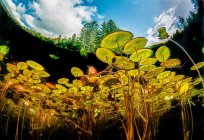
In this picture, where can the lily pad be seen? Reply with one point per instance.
(141, 55)
(76, 72)
(135, 45)
(22, 65)
(171, 63)
(124, 63)
(163, 53)
(198, 65)
(34, 65)
(162, 33)
(62, 81)
(1, 56)
(116, 39)
(105, 55)
(154, 72)
(148, 61)
(4, 50)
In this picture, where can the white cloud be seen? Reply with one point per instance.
(53, 17)
(166, 19)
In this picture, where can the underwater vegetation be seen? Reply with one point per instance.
(135, 89)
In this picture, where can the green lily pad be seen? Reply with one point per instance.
(116, 39)
(163, 33)
(22, 65)
(135, 45)
(34, 65)
(4, 49)
(105, 55)
(76, 72)
(62, 81)
(141, 55)
(124, 63)
(162, 53)
(54, 56)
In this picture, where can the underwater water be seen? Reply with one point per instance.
(91, 76)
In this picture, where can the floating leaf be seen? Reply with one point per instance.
(4, 50)
(62, 81)
(76, 72)
(147, 67)
(88, 103)
(53, 56)
(11, 67)
(184, 88)
(124, 63)
(148, 61)
(27, 73)
(40, 73)
(61, 88)
(141, 55)
(1, 56)
(162, 33)
(77, 83)
(198, 65)
(50, 85)
(154, 72)
(116, 39)
(22, 65)
(34, 65)
(162, 54)
(197, 81)
(135, 45)
(105, 55)
(163, 75)
(171, 63)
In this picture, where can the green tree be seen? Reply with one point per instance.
(88, 37)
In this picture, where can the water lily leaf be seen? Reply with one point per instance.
(11, 67)
(184, 88)
(105, 55)
(33, 81)
(178, 77)
(61, 88)
(116, 39)
(163, 75)
(54, 56)
(148, 61)
(76, 72)
(171, 63)
(40, 73)
(147, 67)
(163, 53)
(141, 55)
(135, 45)
(162, 33)
(22, 65)
(1, 56)
(4, 50)
(198, 65)
(77, 83)
(154, 72)
(62, 81)
(34, 65)
(27, 73)
(124, 63)
(50, 85)
(197, 81)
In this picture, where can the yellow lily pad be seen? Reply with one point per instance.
(124, 63)
(105, 55)
(116, 39)
(163, 53)
(171, 63)
(141, 55)
(62, 81)
(76, 72)
(34, 65)
(135, 45)
(198, 65)
(22, 65)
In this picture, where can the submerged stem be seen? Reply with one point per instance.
(199, 74)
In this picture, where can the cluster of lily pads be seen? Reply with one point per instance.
(133, 73)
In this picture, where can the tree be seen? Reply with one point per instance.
(88, 37)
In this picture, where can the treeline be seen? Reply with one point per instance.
(89, 38)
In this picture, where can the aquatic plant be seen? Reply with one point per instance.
(137, 88)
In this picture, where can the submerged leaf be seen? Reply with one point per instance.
(135, 45)
(34, 65)
(198, 65)
(116, 39)
(171, 63)
(105, 55)
(141, 55)
(163, 53)
(124, 63)
(76, 72)
(4, 50)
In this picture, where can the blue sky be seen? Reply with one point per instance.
(64, 17)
